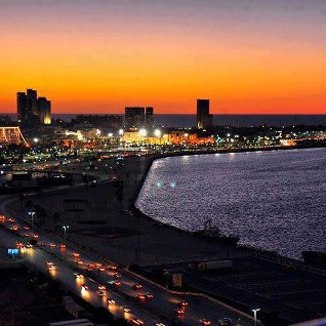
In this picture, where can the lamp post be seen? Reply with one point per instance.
(255, 315)
(32, 213)
(65, 228)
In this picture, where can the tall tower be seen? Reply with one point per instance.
(33, 111)
(134, 117)
(31, 96)
(21, 107)
(204, 119)
(44, 109)
(149, 115)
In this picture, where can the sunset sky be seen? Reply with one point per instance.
(98, 56)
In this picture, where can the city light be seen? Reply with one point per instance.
(143, 132)
(65, 228)
(255, 314)
(157, 133)
(121, 132)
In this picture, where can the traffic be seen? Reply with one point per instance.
(104, 283)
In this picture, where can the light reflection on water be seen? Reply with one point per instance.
(273, 200)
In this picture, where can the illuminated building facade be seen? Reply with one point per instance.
(12, 135)
(44, 109)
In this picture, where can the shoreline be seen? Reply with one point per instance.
(139, 213)
(211, 152)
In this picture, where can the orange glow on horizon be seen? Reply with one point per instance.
(94, 65)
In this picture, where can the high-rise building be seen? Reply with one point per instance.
(149, 115)
(33, 111)
(21, 107)
(44, 109)
(204, 119)
(31, 97)
(134, 117)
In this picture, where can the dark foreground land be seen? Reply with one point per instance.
(100, 219)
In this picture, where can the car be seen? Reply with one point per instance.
(141, 297)
(28, 246)
(183, 303)
(101, 287)
(26, 227)
(117, 275)
(115, 283)
(111, 301)
(180, 312)
(149, 296)
(85, 288)
(26, 235)
(90, 267)
(50, 265)
(19, 245)
(102, 269)
(75, 255)
(135, 321)
(112, 267)
(159, 324)
(126, 310)
(11, 220)
(52, 245)
(224, 322)
(101, 293)
(35, 236)
(79, 276)
(62, 246)
(205, 322)
(80, 262)
(137, 286)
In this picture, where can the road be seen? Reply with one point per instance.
(161, 309)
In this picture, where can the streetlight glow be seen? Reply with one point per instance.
(65, 228)
(143, 132)
(157, 133)
(255, 315)
(32, 213)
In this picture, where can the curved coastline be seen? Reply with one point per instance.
(137, 211)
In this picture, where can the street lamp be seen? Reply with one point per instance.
(65, 228)
(255, 315)
(32, 213)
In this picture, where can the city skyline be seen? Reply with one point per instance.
(99, 56)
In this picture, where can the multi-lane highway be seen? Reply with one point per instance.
(102, 283)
